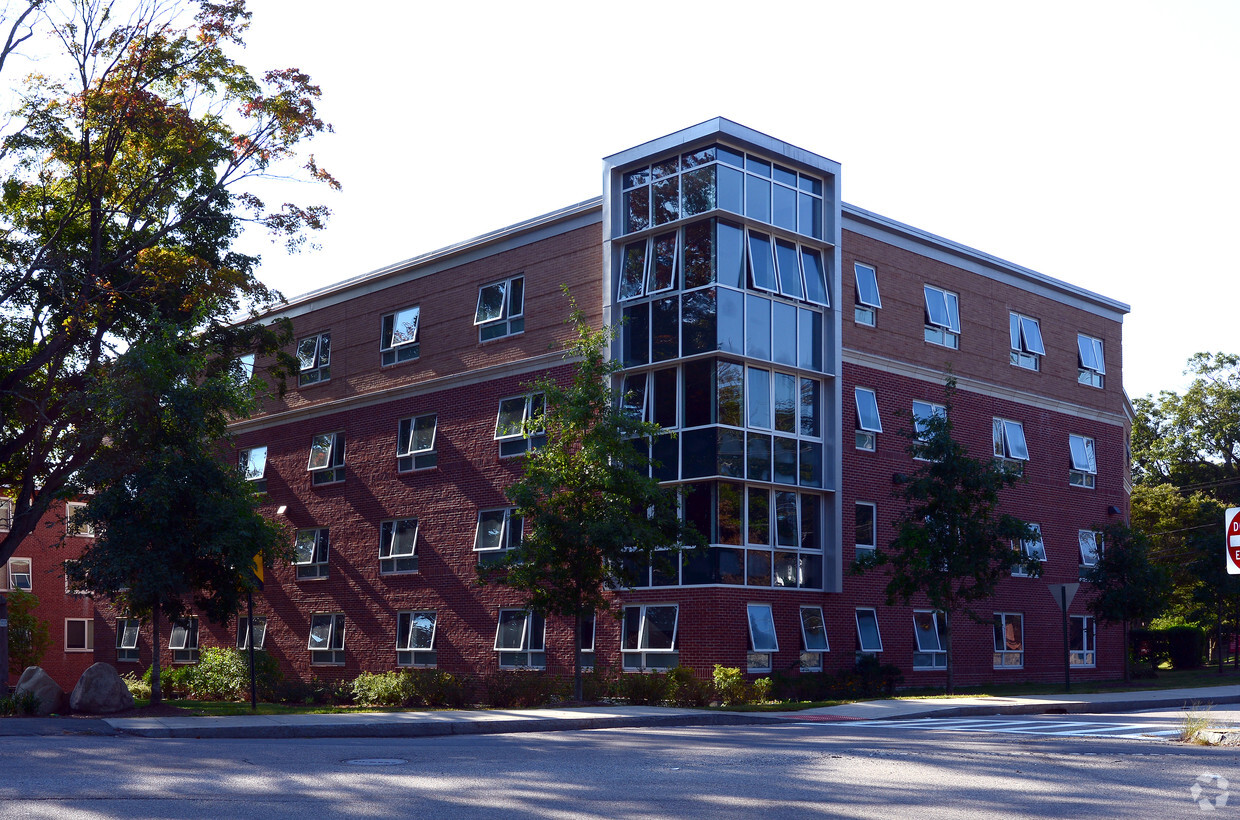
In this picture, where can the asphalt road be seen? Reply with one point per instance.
(784, 771)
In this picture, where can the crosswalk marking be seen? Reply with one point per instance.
(1057, 728)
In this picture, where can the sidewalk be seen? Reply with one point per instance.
(432, 724)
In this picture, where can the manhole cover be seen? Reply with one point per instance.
(376, 761)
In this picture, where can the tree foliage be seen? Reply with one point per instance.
(176, 526)
(1127, 586)
(29, 638)
(586, 496)
(952, 545)
(125, 182)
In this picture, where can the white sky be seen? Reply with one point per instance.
(1090, 140)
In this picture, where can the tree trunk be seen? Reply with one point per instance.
(577, 690)
(947, 645)
(156, 695)
(1127, 649)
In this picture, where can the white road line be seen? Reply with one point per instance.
(1058, 728)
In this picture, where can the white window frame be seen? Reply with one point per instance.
(919, 419)
(397, 558)
(869, 422)
(871, 615)
(128, 631)
(942, 325)
(1026, 341)
(72, 510)
(642, 657)
(1004, 656)
(510, 320)
(929, 643)
(88, 635)
(763, 640)
(183, 640)
(868, 549)
(314, 358)
(17, 577)
(1035, 548)
(410, 650)
(253, 464)
(813, 646)
(512, 436)
(410, 455)
(511, 532)
(6, 513)
(1084, 469)
(311, 553)
(1090, 553)
(331, 626)
(1091, 361)
(864, 311)
(589, 622)
(1085, 655)
(1010, 444)
(244, 632)
(531, 650)
(394, 346)
(327, 454)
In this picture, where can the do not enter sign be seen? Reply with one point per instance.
(1232, 521)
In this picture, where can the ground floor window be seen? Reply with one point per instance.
(127, 640)
(184, 641)
(415, 639)
(79, 635)
(763, 643)
(868, 638)
(813, 638)
(1009, 640)
(1082, 651)
(648, 639)
(929, 629)
(245, 633)
(327, 639)
(587, 641)
(521, 640)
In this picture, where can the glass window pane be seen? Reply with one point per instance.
(510, 633)
(630, 630)
(815, 276)
(762, 628)
(867, 631)
(785, 458)
(636, 335)
(636, 209)
(865, 525)
(811, 464)
(811, 522)
(422, 631)
(1032, 335)
(730, 391)
(511, 415)
(759, 516)
(758, 456)
(490, 530)
(405, 327)
(953, 312)
(784, 327)
(731, 320)
(699, 257)
(320, 632)
(665, 382)
(784, 207)
(321, 451)
(666, 200)
(1080, 461)
(809, 343)
(730, 247)
(404, 537)
(1099, 359)
(255, 463)
(633, 400)
(698, 190)
(785, 403)
(663, 271)
(728, 508)
(731, 453)
(758, 327)
(660, 628)
(424, 433)
(809, 215)
(1015, 433)
(699, 326)
(699, 404)
(811, 401)
(731, 192)
(633, 270)
(665, 331)
(761, 262)
(813, 629)
(1014, 330)
(936, 306)
(867, 410)
(306, 350)
(786, 519)
(759, 398)
(867, 285)
(758, 198)
(926, 630)
(490, 303)
(789, 269)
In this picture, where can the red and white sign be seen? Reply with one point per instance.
(1232, 522)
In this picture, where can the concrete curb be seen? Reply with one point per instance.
(380, 728)
(1068, 707)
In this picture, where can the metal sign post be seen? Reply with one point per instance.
(1063, 595)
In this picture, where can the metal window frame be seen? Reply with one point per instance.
(860, 297)
(387, 539)
(862, 424)
(805, 633)
(872, 612)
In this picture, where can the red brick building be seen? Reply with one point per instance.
(785, 336)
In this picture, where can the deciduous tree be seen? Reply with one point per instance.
(1127, 587)
(28, 634)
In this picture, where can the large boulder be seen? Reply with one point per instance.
(40, 684)
(100, 691)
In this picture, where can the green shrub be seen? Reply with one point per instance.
(762, 689)
(730, 686)
(512, 689)
(599, 684)
(686, 689)
(643, 689)
(383, 689)
(138, 687)
(26, 703)
(8, 707)
(430, 687)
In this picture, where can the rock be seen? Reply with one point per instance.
(35, 680)
(100, 691)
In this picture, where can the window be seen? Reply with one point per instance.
(127, 640)
(929, 627)
(415, 443)
(415, 639)
(1009, 640)
(498, 531)
(942, 317)
(1033, 548)
(648, 637)
(868, 638)
(314, 359)
(520, 640)
(501, 309)
(587, 641)
(869, 425)
(258, 633)
(813, 638)
(253, 464)
(517, 425)
(184, 640)
(867, 298)
(74, 585)
(327, 639)
(326, 463)
(1082, 650)
(762, 640)
(310, 554)
(1084, 465)
(1010, 447)
(398, 339)
(398, 541)
(19, 574)
(1091, 546)
(6, 513)
(649, 265)
(79, 635)
(923, 411)
(867, 515)
(1091, 364)
(245, 367)
(73, 526)
(1026, 336)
